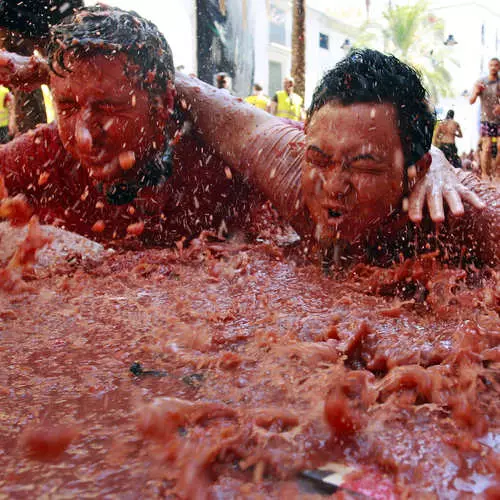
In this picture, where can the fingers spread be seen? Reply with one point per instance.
(435, 205)
(471, 197)
(454, 202)
(416, 203)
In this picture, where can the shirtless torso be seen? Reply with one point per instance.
(447, 131)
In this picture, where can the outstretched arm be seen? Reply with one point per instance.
(22, 72)
(476, 92)
(260, 146)
(224, 121)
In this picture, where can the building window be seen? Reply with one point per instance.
(277, 32)
(323, 41)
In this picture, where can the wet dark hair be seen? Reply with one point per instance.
(108, 30)
(33, 18)
(372, 77)
(450, 115)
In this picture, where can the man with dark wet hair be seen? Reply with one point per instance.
(346, 184)
(147, 62)
(106, 169)
(368, 76)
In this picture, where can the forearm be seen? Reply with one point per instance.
(21, 72)
(28, 161)
(483, 226)
(224, 122)
(272, 162)
(254, 143)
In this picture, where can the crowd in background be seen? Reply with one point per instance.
(21, 28)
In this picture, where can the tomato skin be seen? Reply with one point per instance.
(48, 442)
(342, 417)
(372, 484)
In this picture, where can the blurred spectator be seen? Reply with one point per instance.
(286, 103)
(223, 81)
(49, 104)
(488, 91)
(258, 99)
(5, 105)
(24, 28)
(470, 161)
(446, 132)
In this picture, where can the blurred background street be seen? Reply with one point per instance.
(449, 41)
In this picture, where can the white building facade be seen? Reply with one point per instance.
(325, 36)
(475, 25)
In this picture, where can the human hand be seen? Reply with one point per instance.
(440, 182)
(479, 87)
(22, 72)
(496, 110)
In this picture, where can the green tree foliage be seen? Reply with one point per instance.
(416, 36)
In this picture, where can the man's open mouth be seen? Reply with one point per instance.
(335, 216)
(334, 213)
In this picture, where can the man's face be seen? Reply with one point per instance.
(494, 67)
(288, 85)
(352, 175)
(105, 120)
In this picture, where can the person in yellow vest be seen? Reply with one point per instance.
(258, 99)
(5, 100)
(286, 103)
(49, 104)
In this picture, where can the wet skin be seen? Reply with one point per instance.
(105, 119)
(352, 176)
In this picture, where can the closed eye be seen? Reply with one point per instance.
(111, 106)
(366, 162)
(316, 157)
(363, 157)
